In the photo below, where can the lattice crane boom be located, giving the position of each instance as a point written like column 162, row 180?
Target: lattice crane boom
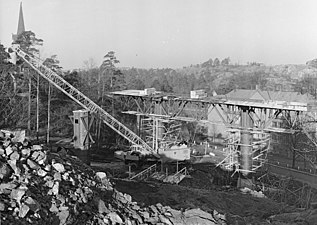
column 81, row 99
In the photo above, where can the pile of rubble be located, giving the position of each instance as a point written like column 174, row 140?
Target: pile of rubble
column 40, row 187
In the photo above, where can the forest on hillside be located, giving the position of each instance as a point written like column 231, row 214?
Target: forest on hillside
column 24, row 94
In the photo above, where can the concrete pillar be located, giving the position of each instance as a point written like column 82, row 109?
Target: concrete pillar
column 158, row 127
column 138, row 124
column 246, row 141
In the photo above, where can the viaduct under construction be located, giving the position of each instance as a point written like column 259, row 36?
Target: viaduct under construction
column 248, row 121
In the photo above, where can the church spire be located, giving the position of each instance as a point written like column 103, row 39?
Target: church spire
column 21, row 27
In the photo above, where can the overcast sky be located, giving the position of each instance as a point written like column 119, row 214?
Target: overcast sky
column 168, row 33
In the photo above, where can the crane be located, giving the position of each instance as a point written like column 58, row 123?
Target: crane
column 81, row 99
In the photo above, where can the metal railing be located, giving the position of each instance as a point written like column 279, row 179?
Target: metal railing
column 145, row 173
column 177, row 177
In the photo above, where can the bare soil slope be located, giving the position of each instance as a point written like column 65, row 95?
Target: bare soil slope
column 239, row 208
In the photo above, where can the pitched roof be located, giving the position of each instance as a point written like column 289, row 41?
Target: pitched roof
column 245, row 94
column 288, row 96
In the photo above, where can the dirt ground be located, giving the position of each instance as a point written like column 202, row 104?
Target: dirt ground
column 239, row 208
column 204, row 190
column 209, row 189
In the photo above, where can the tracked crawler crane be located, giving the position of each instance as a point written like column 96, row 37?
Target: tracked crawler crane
column 81, row 99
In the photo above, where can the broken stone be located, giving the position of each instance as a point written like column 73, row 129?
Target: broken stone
column 13, row 165
column 128, row 197
column 53, row 208
column 37, row 147
column 8, row 150
column 33, row 165
column 106, row 221
column 5, row 170
column 67, row 201
column 88, row 192
column 154, row 210
column 128, row 222
column 39, row 157
column 220, row 218
column 41, row 173
column 159, row 206
column 72, row 180
column 165, row 220
column 153, row 220
column 167, row 214
column 2, row 135
column 60, row 198
column 35, row 155
column 102, row 207
column 57, row 176
column 73, row 196
column 63, row 208
column 15, row 156
column 120, row 197
column 1, row 151
column 25, row 167
column 135, row 207
column 200, row 216
column 65, row 176
column 25, row 152
column 55, row 188
column 33, row 205
column 48, row 168
column 49, row 183
column 24, row 209
column 82, row 195
column 115, row 218
column 2, row 206
column 137, row 217
column 101, row 175
column 6, row 143
column 145, row 215
column 13, row 204
column 18, row 193
column 59, row 167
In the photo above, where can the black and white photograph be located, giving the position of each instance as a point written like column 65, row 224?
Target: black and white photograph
column 167, row 112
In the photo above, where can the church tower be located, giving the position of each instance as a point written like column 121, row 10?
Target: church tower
column 21, row 27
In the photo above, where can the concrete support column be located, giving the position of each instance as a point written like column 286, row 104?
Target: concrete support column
column 138, row 124
column 158, row 127
column 246, row 142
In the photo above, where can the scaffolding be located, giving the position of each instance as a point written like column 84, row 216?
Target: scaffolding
column 259, row 148
column 231, row 161
column 171, row 133
column 160, row 133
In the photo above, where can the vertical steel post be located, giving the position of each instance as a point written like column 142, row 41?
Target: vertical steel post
column 48, row 113
column 177, row 166
column 37, row 106
column 30, row 101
